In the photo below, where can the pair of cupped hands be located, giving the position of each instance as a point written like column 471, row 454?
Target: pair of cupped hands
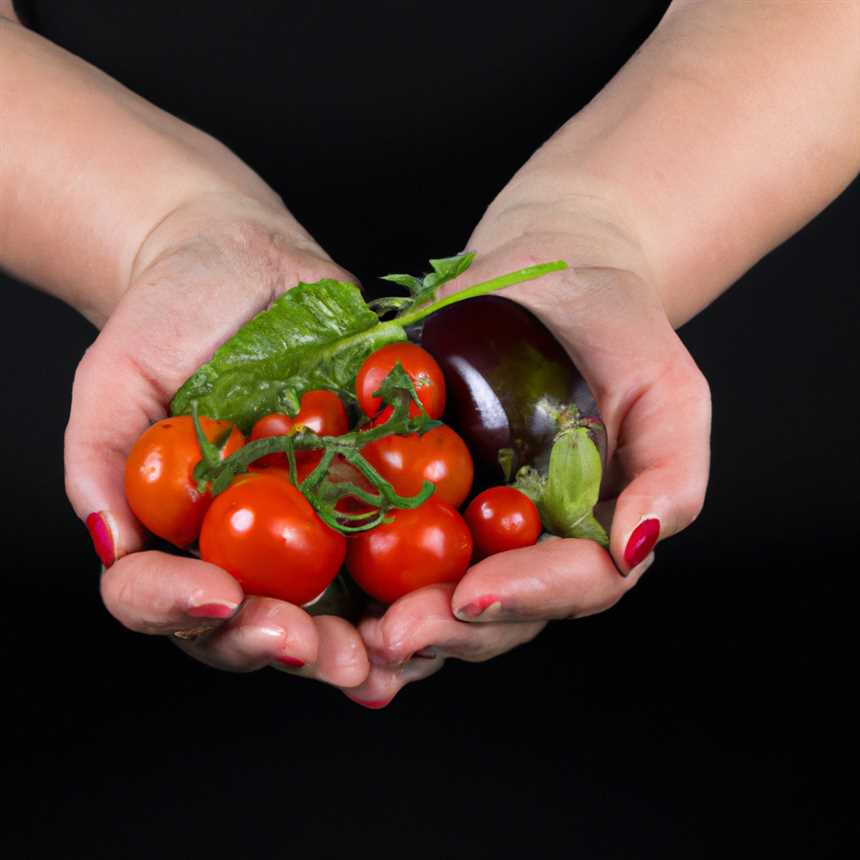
column 215, row 262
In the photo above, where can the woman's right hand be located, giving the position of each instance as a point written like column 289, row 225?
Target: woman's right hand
column 206, row 269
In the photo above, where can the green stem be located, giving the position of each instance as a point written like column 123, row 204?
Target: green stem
column 481, row 289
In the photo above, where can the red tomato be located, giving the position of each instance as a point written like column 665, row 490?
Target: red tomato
column 158, row 476
column 425, row 373
column 265, row 533
column 319, row 410
column 502, row 518
column 420, row 547
column 439, row 456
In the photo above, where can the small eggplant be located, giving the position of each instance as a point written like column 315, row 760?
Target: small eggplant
column 523, row 408
column 510, row 382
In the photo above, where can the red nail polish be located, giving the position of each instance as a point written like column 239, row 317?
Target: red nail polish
column 374, row 705
column 476, row 607
column 292, row 662
column 642, row 541
column 102, row 538
column 211, row 610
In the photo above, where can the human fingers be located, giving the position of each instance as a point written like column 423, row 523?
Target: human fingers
column 555, row 579
column 158, row 593
column 263, row 632
column 418, row 633
column 269, row 632
column 384, row 679
column 423, row 622
column 341, row 657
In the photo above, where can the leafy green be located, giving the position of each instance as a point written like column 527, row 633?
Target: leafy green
column 317, row 336
column 422, row 290
column 313, row 336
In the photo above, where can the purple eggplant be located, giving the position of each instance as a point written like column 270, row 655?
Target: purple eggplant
column 523, row 408
column 509, row 382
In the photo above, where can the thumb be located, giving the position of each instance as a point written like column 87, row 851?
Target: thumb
column 663, row 443
column 112, row 404
column 155, row 339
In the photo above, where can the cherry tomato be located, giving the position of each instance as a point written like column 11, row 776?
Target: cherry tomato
column 419, row 547
column 159, row 485
column 319, row 410
column 425, row 373
column 439, row 456
column 265, row 533
column 502, row 518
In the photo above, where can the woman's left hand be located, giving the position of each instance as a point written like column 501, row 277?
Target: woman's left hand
column 656, row 406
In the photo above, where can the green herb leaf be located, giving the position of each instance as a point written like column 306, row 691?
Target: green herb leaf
column 422, row 290
column 411, row 283
column 313, row 336
column 448, row 268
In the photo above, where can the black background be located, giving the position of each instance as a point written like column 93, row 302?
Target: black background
column 708, row 713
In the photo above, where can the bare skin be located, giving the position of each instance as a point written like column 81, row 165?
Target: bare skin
column 729, row 129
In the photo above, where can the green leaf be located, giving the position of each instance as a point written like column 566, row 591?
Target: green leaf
column 411, row 283
column 313, row 336
column 423, row 290
column 448, row 268
column 567, row 495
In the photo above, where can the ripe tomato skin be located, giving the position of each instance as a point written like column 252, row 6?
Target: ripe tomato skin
column 425, row 373
column 439, row 456
column 159, row 485
column 319, row 410
column 502, row 518
column 429, row 544
column 265, row 533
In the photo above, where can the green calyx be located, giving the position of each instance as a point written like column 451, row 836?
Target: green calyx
column 566, row 495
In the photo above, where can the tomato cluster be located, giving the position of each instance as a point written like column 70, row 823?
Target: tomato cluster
column 264, row 530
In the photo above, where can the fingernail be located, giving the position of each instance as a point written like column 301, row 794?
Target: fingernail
column 426, row 654
column 374, row 705
column 641, row 541
column 291, row 662
column 216, row 609
column 486, row 606
column 99, row 525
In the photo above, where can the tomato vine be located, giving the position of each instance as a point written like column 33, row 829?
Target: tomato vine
column 397, row 391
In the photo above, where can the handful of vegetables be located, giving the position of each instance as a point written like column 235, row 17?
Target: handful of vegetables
column 312, row 443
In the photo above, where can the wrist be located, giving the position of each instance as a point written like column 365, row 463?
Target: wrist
column 235, row 218
column 549, row 213
column 271, row 244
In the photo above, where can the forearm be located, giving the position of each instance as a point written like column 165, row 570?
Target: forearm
column 88, row 169
column 733, row 126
